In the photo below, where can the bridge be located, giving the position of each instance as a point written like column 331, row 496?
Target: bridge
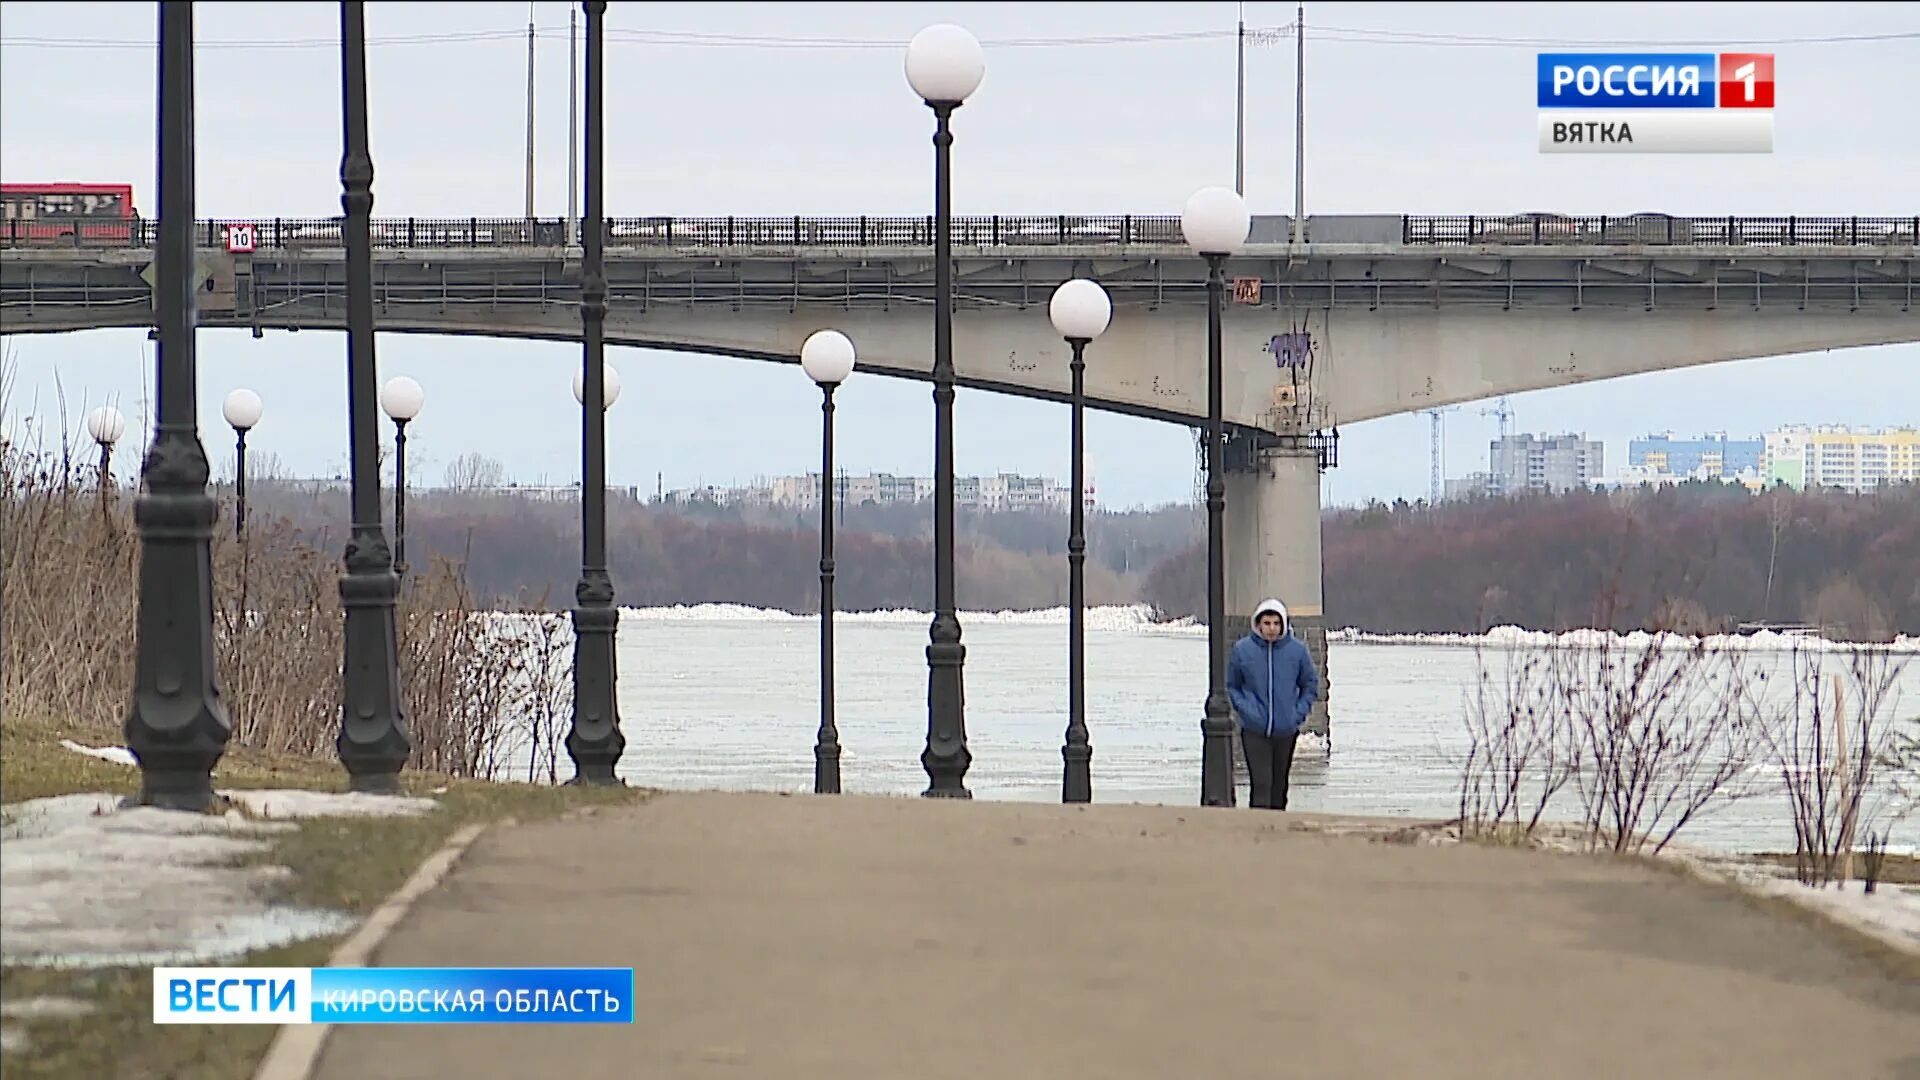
column 1365, row 316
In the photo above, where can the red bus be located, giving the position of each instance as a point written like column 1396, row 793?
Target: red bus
column 79, row 214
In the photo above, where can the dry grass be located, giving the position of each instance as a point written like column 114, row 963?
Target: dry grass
column 478, row 688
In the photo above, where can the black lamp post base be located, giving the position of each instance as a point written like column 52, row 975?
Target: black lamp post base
column 595, row 741
column 594, row 760
column 379, row 783
column 373, row 744
column 178, row 727
column 826, row 770
column 946, row 757
column 593, row 777
column 1077, row 786
column 167, row 786
column 1216, row 748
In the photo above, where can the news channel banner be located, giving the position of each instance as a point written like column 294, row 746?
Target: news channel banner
column 327, row 995
column 1656, row 103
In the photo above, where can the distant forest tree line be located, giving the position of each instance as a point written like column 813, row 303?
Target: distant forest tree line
column 1696, row 556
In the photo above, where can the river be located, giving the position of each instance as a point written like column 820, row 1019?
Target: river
column 726, row 698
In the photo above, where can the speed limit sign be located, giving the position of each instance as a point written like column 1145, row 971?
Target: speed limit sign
column 240, row 239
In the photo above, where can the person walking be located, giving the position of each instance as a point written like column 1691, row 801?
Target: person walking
column 1273, row 684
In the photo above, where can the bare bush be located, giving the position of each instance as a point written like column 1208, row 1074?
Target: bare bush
column 1518, row 757
column 1832, row 736
column 1666, row 734
column 1647, row 739
column 472, row 472
column 474, row 695
column 1901, row 766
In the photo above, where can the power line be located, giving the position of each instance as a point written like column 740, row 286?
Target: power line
column 689, row 39
column 1255, row 36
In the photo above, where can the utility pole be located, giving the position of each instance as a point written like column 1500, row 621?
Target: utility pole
column 529, row 111
column 1240, row 109
column 573, row 130
column 1299, row 123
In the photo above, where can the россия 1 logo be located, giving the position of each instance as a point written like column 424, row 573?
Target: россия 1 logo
column 1655, row 103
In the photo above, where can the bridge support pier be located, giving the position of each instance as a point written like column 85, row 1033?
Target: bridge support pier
column 1273, row 540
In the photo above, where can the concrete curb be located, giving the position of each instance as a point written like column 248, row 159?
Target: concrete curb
column 296, row 1049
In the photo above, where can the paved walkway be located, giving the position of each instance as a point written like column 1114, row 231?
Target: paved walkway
column 905, row 939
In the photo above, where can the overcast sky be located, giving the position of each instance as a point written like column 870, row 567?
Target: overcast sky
column 717, row 109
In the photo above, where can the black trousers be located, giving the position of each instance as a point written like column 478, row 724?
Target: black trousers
column 1269, row 763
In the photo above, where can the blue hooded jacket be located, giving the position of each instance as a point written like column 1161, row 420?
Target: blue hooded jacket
column 1273, row 687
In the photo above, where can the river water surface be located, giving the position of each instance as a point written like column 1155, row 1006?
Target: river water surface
column 723, row 698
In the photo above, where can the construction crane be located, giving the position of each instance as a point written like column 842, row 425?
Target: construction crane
column 1436, row 479
column 1503, row 412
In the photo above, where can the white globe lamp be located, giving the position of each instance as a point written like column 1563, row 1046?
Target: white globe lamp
column 612, row 386
column 1080, row 310
column 827, row 357
column 106, row 425
column 242, row 409
column 1215, row 221
column 401, row 399
column 944, row 64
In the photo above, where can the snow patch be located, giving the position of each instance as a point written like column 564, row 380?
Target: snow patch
column 119, row 755
column 45, row 1008
column 1891, row 913
column 92, row 882
column 312, row 804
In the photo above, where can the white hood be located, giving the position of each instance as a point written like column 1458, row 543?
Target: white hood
column 1270, row 604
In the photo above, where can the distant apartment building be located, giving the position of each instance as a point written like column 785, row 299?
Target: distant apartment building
column 1537, row 463
column 1708, row 457
column 1834, row 456
column 1469, row 486
column 1648, row 476
column 1002, row 491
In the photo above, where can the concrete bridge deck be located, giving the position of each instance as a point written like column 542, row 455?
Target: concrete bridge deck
column 834, row 937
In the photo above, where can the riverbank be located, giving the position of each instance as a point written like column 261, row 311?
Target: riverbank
column 95, row 895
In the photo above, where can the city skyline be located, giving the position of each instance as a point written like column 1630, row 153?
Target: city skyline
column 448, row 140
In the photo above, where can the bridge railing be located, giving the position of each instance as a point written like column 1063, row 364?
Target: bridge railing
column 665, row 232
column 968, row 232
column 1659, row 229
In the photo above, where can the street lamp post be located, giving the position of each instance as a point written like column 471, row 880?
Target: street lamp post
column 1080, row 311
column 944, row 65
column 106, row 425
column 594, row 741
column 177, row 726
column 1215, row 224
column 373, row 742
column 242, row 409
column 400, row 399
column 827, row 358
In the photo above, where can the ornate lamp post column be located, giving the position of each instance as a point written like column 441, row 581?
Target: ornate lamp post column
column 944, row 65
column 242, row 410
column 1080, row 311
column 177, row 727
column 594, row 741
column 401, row 399
column 827, row 358
column 1215, row 224
column 373, row 743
